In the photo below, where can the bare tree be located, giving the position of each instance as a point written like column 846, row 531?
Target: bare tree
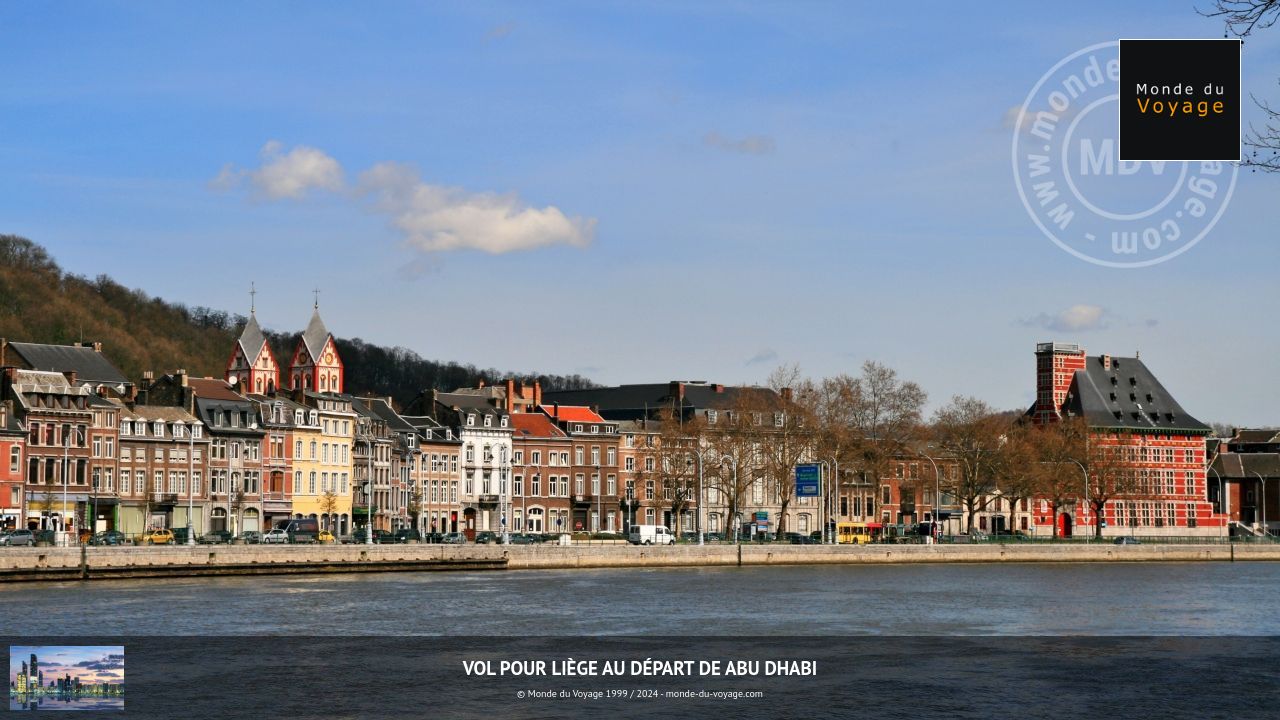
column 882, row 417
column 734, row 457
column 1241, row 18
column 786, row 435
column 1016, row 470
column 1111, row 475
column 971, row 434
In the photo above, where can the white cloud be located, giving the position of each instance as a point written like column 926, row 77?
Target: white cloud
column 432, row 218
column 435, row 218
column 749, row 145
column 1077, row 318
column 285, row 175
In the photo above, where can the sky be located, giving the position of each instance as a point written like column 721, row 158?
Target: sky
column 637, row 192
column 93, row 664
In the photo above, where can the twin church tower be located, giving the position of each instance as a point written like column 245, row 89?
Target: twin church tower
column 315, row 364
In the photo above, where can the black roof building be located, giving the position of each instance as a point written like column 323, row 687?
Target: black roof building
column 1122, row 393
column 652, row 400
column 87, row 362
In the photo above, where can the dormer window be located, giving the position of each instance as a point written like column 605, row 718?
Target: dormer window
column 488, row 420
column 141, row 427
column 777, row 419
column 126, row 428
column 157, row 428
column 197, row 431
column 711, row 417
column 577, row 428
column 179, row 430
column 313, row 418
column 595, row 429
column 471, row 420
column 504, row 422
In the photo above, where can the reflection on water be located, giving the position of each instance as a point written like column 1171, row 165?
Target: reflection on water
column 64, row 702
column 989, row 599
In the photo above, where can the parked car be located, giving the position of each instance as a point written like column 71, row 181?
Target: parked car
column 217, row 537
column 278, row 536
column 433, row 538
column 300, row 530
column 453, row 539
column 108, row 537
column 161, row 536
column 487, row 537
column 325, row 537
column 18, row 537
column 799, row 539
column 525, row 539
column 250, row 537
column 1128, row 540
column 407, row 535
column 379, row 536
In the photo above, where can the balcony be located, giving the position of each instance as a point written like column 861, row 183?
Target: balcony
column 487, row 499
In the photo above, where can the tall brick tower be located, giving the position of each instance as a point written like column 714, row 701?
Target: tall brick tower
column 1056, row 365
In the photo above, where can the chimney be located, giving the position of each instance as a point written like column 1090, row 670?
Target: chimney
column 1106, row 362
column 182, row 377
column 481, row 383
column 555, row 411
column 511, row 394
column 786, row 394
column 4, row 350
column 97, row 347
column 71, row 376
column 537, row 392
column 718, row 388
column 676, row 390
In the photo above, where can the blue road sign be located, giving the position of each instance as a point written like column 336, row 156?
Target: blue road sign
column 808, row 480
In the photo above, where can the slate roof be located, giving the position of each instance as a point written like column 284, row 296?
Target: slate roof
column 626, row 402
column 1260, row 437
column 473, row 403
column 89, row 365
column 315, row 336
column 1243, row 465
column 377, row 407
column 252, row 338
column 1126, row 396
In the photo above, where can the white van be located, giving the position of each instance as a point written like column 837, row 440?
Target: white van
column 651, row 535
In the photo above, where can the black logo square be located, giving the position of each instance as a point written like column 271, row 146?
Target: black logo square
column 1180, row 100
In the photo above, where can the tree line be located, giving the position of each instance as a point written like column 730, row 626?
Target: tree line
column 41, row 303
column 867, row 425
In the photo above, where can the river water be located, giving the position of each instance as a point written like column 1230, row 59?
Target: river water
column 1014, row 599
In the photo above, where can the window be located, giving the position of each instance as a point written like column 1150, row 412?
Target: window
column 611, row 456
column 536, row 457
column 488, row 420
column 311, row 484
column 579, row 484
column 15, row 460
column 629, row 463
column 535, row 485
column 578, row 456
column 613, row 485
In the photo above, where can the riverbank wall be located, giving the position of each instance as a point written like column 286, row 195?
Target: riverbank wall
column 27, row 564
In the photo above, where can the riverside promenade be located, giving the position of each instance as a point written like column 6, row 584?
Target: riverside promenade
column 93, row 563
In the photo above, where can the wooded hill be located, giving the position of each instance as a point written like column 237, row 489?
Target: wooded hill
column 41, row 303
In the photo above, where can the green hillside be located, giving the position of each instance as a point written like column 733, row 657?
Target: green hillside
column 41, row 303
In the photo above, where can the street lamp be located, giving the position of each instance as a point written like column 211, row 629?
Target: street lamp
column 937, row 496
column 368, row 517
column 1263, row 482
column 191, row 479
column 66, row 447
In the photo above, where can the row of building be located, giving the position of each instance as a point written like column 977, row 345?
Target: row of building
column 85, row 448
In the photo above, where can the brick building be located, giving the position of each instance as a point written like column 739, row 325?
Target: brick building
column 594, row 493
column 540, row 453
column 12, row 442
column 1162, row 447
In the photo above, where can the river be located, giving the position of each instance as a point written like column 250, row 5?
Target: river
column 943, row 599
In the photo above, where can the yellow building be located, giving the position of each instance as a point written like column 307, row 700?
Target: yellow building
column 322, row 464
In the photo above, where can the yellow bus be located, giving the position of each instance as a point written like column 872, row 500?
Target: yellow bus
column 857, row 533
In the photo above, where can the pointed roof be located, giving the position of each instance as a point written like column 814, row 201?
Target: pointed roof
column 316, row 335
column 252, row 338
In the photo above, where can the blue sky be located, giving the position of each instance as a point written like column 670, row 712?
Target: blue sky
column 680, row 190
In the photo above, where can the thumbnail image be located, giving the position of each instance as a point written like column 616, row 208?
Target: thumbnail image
column 66, row 677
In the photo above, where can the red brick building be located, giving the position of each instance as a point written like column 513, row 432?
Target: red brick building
column 12, row 442
column 1160, row 444
column 594, row 491
column 540, row 453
